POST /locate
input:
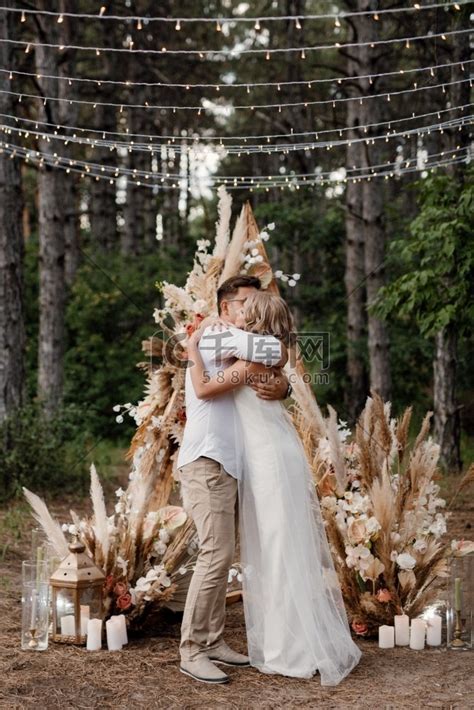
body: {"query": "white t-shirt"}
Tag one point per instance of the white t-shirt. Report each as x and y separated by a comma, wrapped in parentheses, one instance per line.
(212, 426)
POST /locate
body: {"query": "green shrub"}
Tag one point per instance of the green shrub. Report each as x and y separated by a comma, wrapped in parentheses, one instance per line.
(44, 455)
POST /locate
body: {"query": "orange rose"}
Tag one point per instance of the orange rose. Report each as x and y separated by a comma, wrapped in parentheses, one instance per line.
(124, 601)
(120, 588)
(359, 627)
(383, 595)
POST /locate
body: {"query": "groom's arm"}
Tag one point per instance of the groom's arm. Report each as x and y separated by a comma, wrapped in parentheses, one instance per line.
(266, 349)
(252, 347)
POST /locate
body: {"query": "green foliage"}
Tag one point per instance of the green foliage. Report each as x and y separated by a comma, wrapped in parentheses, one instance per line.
(41, 454)
(437, 260)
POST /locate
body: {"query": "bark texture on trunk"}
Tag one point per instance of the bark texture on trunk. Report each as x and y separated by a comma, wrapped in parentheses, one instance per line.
(371, 112)
(12, 327)
(446, 412)
(356, 392)
(447, 420)
(51, 238)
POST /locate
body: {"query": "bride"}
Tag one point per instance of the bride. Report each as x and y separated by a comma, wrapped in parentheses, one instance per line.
(294, 612)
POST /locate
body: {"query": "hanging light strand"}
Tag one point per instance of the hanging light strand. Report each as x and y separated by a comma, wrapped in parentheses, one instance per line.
(211, 54)
(234, 19)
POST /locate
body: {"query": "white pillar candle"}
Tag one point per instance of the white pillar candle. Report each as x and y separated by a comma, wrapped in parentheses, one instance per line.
(433, 630)
(94, 635)
(386, 637)
(85, 614)
(417, 634)
(122, 626)
(114, 635)
(402, 630)
(68, 627)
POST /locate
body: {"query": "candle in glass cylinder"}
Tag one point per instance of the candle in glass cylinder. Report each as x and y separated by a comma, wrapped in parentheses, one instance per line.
(402, 630)
(85, 613)
(417, 634)
(433, 630)
(457, 594)
(94, 635)
(386, 637)
(68, 626)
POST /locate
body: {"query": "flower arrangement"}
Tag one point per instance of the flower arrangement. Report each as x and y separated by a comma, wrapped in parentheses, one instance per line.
(383, 513)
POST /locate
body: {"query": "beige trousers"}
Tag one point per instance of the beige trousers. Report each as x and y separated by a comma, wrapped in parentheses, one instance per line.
(209, 496)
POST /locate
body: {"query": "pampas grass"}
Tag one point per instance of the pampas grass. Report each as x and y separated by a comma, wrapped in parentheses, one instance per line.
(51, 527)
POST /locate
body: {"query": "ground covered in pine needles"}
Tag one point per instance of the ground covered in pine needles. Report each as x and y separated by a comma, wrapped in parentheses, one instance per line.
(145, 674)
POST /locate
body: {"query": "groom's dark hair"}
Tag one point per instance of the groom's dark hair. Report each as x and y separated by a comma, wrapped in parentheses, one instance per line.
(233, 284)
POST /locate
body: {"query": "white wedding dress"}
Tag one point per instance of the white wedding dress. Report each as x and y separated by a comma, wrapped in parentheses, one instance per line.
(294, 612)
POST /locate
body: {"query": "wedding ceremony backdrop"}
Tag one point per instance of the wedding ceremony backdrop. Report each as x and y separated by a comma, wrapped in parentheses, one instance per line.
(147, 153)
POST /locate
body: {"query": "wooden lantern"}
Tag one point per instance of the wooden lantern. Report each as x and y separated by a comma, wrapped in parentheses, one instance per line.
(77, 595)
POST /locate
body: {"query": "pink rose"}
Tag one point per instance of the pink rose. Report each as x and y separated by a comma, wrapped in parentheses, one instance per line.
(383, 595)
(120, 588)
(359, 627)
(124, 601)
(109, 583)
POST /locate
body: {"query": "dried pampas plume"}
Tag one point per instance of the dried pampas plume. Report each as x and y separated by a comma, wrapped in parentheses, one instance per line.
(224, 209)
(51, 527)
(100, 513)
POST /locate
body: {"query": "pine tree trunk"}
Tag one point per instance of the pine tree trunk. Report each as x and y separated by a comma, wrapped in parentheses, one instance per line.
(447, 424)
(371, 112)
(446, 412)
(356, 392)
(12, 329)
(51, 239)
(68, 115)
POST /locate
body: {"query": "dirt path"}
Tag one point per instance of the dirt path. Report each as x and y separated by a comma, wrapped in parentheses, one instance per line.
(145, 675)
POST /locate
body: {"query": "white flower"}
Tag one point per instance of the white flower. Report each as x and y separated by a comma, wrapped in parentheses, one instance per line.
(405, 561)
(284, 277)
(291, 282)
(296, 277)
(278, 274)
(258, 259)
(372, 525)
(119, 419)
(264, 236)
(420, 545)
(359, 557)
(164, 535)
(254, 252)
(122, 564)
(116, 408)
(119, 492)
(271, 226)
(182, 570)
(64, 527)
(159, 547)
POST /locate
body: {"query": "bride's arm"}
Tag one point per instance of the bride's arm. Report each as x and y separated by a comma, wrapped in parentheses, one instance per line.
(239, 373)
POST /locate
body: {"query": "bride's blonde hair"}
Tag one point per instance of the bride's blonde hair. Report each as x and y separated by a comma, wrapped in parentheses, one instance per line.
(268, 314)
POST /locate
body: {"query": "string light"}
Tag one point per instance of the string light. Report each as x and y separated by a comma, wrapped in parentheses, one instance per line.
(381, 170)
(287, 148)
(234, 19)
(245, 138)
(248, 85)
(242, 107)
(235, 54)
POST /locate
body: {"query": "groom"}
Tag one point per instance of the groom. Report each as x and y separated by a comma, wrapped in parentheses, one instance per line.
(210, 465)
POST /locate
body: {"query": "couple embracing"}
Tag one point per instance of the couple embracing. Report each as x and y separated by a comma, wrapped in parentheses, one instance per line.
(239, 444)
